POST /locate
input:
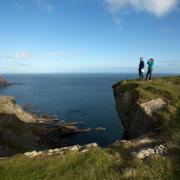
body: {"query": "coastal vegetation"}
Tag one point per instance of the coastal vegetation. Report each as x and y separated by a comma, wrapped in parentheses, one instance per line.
(146, 153)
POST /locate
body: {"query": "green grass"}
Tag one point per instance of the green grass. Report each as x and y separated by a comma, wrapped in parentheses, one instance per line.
(96, 164)
(167, 88)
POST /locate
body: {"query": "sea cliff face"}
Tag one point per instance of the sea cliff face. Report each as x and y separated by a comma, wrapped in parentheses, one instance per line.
(147, 106)
(150, 113)
(136, 116)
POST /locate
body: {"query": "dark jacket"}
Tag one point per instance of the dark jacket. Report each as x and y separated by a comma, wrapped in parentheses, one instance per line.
(141, 65)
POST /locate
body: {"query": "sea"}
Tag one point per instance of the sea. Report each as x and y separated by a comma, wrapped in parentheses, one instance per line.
(85, 98)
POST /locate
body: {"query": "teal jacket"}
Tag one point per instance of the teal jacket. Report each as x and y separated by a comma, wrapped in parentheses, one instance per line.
(150, 65)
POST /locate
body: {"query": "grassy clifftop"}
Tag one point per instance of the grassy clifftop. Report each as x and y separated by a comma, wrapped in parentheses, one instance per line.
(120, 160)
(167, 88)
(141, 92)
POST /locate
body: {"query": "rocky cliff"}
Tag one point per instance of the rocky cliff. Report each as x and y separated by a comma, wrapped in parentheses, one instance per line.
(150, 113)
(139, 102)
(21, 131)
(136, 115)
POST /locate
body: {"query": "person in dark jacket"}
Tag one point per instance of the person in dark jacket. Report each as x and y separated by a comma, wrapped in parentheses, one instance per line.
(150, 69)
(141, 68)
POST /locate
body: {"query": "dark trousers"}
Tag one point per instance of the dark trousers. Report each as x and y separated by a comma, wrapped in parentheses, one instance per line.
(141, 74)
(149, 74)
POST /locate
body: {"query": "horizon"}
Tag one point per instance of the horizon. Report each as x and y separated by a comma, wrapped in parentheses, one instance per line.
(78, 36)
(90, 73)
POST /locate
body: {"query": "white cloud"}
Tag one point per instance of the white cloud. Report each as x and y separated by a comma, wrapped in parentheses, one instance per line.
(156, 7)
(20, 55)
(56, 53)
(64, 54)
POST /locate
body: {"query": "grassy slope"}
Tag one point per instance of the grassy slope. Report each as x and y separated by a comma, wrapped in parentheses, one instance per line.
(114, 162)
(15, 136)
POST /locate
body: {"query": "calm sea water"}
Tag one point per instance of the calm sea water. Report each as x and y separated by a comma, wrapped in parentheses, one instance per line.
(84, 98)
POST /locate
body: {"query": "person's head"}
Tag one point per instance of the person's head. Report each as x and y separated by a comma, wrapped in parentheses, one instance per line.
(141, 58)
(151, 59)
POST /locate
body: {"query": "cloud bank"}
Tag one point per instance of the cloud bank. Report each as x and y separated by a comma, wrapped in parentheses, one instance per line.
(20, 55)
(158, 8)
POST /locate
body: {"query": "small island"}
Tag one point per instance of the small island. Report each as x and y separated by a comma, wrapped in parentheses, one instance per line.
(3, 82)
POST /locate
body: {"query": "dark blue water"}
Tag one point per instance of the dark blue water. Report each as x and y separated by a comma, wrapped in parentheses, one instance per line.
(84, 98)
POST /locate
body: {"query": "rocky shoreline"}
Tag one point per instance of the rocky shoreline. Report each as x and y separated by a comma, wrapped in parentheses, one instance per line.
(44, 131)
(36, 132)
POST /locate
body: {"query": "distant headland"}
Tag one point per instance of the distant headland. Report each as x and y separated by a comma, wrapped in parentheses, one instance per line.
(3, 82)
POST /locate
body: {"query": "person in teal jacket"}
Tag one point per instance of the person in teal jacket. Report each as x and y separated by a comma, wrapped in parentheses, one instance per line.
(150, 69)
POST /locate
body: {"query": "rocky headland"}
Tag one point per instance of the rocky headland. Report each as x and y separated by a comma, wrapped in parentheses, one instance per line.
(150, 149)
(3, 82)
(21, 131)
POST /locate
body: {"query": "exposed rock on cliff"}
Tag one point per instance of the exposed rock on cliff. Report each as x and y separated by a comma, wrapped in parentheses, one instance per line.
(61, 151)
(9, 107)
(22, 131)
(137, 117)
(138, 101)
(149, 109)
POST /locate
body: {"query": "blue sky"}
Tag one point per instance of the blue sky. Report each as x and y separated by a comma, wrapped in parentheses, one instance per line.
(56, 36)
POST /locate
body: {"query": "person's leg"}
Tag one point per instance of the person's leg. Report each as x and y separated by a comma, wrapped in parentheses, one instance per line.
(142, 75)
(147, 75)
(150, 74)
(139, 74)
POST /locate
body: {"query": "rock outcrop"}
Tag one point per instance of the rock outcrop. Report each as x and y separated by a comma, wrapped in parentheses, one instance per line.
(141, 147)
(3, 82)
(61, 151)
(9, 107)
(138, 106)
(21, 131)
(136, 116)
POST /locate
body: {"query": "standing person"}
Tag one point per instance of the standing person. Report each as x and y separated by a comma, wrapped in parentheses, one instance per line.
(141, 68)
(150, 69)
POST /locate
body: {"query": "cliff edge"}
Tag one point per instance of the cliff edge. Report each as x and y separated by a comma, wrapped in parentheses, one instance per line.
(147, 106)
